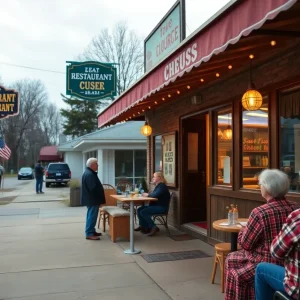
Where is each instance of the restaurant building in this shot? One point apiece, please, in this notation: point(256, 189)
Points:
point(209, 146)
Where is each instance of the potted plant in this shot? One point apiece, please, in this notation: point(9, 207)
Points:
point(74, 185)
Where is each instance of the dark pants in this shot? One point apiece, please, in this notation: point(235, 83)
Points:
point(145, 215)
point(39, 184)
point(91, 220)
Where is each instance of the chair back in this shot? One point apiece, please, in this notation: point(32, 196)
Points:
point(123, 184)
point(109, 190)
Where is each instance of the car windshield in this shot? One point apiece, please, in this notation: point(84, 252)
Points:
point(25, 170)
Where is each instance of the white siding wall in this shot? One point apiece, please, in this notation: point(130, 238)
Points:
point(74, 160)
point(107, 167)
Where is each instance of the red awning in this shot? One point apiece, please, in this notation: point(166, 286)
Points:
point(227, 28)
point(49, 153)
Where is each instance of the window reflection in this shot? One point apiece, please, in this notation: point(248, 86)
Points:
point(224, 146)
point(255, 148)
point(289, 111)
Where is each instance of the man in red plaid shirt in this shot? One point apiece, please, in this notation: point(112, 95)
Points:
point(285, 247)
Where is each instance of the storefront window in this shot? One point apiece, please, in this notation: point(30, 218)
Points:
point(224, 147)
point(289, 112)
point(158, 153)
point(130, 165)
point(255, 151)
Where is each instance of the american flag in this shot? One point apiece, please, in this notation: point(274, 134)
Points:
point(4, 149)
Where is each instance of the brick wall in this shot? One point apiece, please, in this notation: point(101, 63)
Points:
point(268, 76)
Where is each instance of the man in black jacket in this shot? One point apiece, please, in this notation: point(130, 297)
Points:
point(92, 195)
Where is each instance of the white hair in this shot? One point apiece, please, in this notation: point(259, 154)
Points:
point(90, 161)
point(276, 182)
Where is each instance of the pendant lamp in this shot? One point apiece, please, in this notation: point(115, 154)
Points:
point(227, 133)
point(146, 129)
point(252, 99)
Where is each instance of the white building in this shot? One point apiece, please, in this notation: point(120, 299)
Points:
point(120, 150)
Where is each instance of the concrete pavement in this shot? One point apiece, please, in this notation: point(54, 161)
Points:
point(44, 256)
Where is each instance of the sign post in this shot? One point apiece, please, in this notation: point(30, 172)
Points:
point(91, 80)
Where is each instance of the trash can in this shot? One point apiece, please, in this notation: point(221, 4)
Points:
point(75, 196)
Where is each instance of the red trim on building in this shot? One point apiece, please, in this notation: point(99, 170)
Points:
point(237, 21)
point(50, 153)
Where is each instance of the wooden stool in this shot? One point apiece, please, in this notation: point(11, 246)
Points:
point(118, 220)
point(222, 250)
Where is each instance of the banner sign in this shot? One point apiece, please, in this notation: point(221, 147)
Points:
point(166, 36)
point(9, 103)
point(91, 80)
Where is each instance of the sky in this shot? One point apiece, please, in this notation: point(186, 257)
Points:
point(44, 34)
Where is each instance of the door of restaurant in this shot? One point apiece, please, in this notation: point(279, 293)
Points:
point(194, 169)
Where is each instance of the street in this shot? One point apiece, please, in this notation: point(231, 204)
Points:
point(13, 183)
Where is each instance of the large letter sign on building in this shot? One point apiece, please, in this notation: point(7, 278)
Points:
point(91, 80)
point(9, 103)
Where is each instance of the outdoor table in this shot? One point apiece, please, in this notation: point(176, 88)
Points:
point(233, 229)
point(133, 201)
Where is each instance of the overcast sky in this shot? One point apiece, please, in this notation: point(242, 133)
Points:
point(45, 34)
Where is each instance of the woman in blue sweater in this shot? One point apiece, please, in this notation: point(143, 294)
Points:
point(144, 213)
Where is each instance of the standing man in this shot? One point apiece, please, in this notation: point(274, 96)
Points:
point(39, 173)
point(92, 195)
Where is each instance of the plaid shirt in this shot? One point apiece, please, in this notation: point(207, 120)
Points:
point(286, 246)
point(264, 223)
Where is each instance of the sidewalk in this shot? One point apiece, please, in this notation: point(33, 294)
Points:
point(44, 256)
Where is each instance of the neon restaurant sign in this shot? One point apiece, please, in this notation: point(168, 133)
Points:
point(91, 80)
point(9, 103)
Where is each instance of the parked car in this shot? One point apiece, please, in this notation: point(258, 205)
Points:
point(57, 173)
point(25, 173)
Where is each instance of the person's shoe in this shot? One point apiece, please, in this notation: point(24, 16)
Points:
point(97, 234)
point(37, 192)
point(153, 231)
point(140, 228)
point(93, 238)
point(145, 230)
point(42, 193)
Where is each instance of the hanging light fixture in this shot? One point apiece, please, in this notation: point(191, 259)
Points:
point(227, 133)
point(252, 99)
point(220, 133)
point(146, 129)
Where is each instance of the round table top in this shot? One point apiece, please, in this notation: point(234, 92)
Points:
point(228, 228)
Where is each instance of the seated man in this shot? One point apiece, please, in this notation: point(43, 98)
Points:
point(286, 246)
point(161, 192)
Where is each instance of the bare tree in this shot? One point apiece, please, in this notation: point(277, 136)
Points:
point(123, 47)
point(24, 133)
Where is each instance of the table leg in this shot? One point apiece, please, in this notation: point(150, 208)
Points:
point(132, 250)
point(234, 237)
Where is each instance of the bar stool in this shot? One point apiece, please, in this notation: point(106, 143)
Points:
point(222, 250)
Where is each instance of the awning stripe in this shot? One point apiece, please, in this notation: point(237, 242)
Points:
point(238, 21)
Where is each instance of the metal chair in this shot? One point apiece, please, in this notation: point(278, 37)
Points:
point(110, 201)
point(163, 218)
point(280, 296)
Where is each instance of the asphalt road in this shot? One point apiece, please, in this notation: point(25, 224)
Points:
point(14, 183)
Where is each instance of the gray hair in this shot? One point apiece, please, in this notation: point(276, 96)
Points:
point(275, 182)
point(90, 161)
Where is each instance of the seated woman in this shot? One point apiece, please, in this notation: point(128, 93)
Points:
point(256, 237)
point(270, 278)
point(144, 213)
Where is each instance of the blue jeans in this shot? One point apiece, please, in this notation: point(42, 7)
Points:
point(145, 215)
point(91, 220)
point(39, 184)
point(268, 280)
